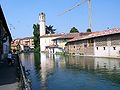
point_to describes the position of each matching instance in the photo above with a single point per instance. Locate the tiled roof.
(64, 36)
(51, 46)
(97, 34)
(108, 32)
(50, 35)
(72, 35)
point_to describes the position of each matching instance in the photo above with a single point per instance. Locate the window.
(114, 48)
(104, 48)
(64, 40)
(85, 44)
(90, 41)
(97, 48)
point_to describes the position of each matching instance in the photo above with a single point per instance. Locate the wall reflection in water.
(90, 63)
(43, 66)
(47, 68)
(100, 67)
(80, 62)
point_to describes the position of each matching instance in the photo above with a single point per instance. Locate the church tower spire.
(42, 23)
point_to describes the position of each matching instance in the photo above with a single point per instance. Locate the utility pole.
(90, 14)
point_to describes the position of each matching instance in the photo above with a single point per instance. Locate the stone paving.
(8, 76)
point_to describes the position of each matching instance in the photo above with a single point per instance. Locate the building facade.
(108, 45)
(54, 42)
(46, 40)
(101, 44)
(23, 44)
(5, 36)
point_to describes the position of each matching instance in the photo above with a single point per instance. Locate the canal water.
(56, 72)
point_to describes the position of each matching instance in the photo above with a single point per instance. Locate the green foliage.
(88, 30)
(37, 61)
(36, 32)
(73, 30)
(49, 29)
(60, 53)
(36, 38)
(37, 49)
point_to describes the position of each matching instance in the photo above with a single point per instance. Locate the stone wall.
(103, 46)
(84, 47)
(115, 40)
(101, 41)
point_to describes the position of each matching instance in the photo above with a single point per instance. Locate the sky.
(22, 14)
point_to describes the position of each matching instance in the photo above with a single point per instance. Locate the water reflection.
(27, 60)
(37, 57)
(55, 72)
(90, 63)
(47, 68)
(103, 67)
(110, 64)
(80, 62)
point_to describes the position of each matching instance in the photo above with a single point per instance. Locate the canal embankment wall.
(24, 82)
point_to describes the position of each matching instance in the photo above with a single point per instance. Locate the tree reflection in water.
(37, 61)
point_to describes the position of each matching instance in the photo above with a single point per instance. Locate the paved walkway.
(8, 76)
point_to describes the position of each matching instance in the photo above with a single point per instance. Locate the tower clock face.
(42, 17)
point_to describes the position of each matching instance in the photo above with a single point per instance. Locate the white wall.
(101, 52)
(58, 50)
(115, 52)
(55, 50)
(108, 52)
(46, 41)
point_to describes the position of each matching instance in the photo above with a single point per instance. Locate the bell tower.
(42, 23)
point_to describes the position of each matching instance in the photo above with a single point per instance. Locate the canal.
(57, 72)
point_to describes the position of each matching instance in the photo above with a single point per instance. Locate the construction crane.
(89, 9)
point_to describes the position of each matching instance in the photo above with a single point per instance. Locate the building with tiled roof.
(102, 44)
(59, 40)
(64, 38)
(98, 34)
(23, 44)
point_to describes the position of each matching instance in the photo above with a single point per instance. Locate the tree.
(73, 30)
(36, 38)
(88, 30)
(49, 29)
